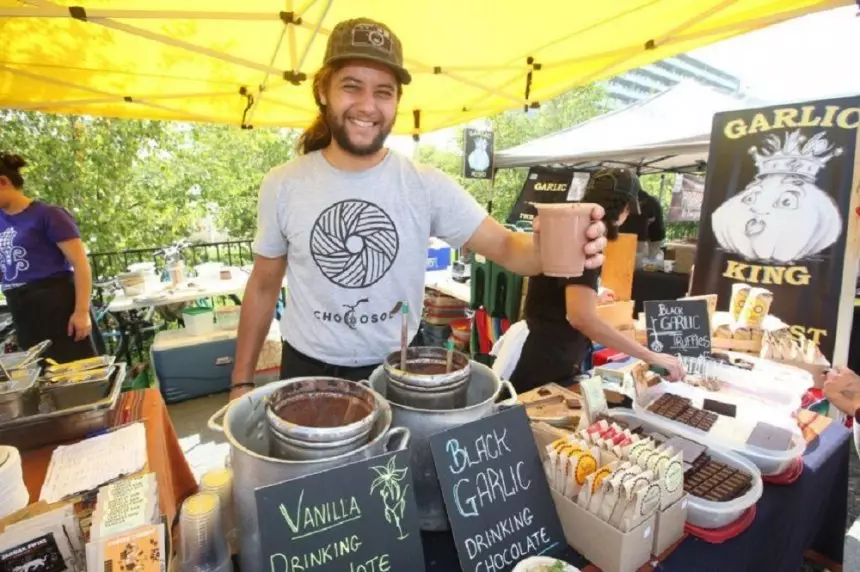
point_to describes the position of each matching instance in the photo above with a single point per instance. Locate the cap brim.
(399, 71)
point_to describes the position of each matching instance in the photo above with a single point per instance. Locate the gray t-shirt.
(356, 245)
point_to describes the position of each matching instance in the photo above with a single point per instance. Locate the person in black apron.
(561, 313)
(46, 275)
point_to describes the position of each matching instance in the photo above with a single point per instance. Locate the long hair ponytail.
(318, 135)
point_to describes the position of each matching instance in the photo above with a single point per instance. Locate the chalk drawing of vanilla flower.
(393, 496)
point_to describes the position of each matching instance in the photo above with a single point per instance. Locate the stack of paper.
(87, 465)
(124, 505)
(127, 532)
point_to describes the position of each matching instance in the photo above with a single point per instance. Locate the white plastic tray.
(700, 512)
(769, 462)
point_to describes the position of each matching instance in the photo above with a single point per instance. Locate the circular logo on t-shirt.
(354, 243)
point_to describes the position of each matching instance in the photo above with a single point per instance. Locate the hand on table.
(673, 366)
(80, 325)
(596, 234)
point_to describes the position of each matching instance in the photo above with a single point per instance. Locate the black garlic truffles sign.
(498, 500)
(359, 517)
(678, 327)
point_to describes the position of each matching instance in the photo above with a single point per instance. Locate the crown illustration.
(796, 156)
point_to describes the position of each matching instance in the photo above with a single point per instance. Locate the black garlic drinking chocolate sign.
(778, 213)
(359, 517)
(678, 327)
(498, 500)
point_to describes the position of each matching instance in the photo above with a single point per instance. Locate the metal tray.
(14, 392)
(80, 365)
(51, 417)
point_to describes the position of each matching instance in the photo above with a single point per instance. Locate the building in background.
(640, 83)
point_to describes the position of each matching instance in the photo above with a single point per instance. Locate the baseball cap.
(617, 180)
(366, 39)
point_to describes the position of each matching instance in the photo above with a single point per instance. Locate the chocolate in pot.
(322, 410)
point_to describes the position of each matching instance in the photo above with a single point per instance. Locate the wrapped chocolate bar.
(580, 464)
(756, 308)
(593, 482)
(741, 332)
(721, 325)
(740, 293)
(645, 504)
(629, 485)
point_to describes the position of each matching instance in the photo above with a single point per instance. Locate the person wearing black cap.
(647, 225)
(561, 313)
(350, 221)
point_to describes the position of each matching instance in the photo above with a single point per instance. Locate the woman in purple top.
(46, 275)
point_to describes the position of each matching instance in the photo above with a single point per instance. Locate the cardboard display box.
(602, 544)
(669, 526)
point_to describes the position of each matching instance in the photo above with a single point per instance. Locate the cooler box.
(438, 255)
(189, 366)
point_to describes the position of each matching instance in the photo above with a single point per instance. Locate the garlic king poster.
(778, 213)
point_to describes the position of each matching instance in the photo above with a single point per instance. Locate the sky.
(812, 57)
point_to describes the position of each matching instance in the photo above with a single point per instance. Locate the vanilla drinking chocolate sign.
(779, 213)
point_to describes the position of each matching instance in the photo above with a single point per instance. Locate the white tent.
(668, 132)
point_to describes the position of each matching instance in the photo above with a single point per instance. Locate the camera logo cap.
(366, 39)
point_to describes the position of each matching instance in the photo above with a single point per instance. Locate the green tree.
(513, 128)
(114, 176)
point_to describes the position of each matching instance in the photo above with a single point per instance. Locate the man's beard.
(339, 134)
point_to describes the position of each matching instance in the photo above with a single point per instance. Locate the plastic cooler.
(700, 512)
(189, 366)
(769, 462)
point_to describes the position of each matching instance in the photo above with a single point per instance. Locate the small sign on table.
(359, 517)
(678, 327)
(498, 499)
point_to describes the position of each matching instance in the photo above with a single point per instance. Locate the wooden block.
(617, 272)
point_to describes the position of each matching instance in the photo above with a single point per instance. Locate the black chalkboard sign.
(495, 489)
(678, 327)
(359, 517)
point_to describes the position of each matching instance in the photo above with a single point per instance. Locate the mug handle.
(397, 440)
(512, 400)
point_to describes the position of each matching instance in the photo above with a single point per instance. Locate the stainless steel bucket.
(319, 417)
(245, 425)
(482, 399)
(429, 389)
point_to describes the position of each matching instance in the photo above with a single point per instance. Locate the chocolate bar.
(720, 407)
(717, 482)
(767, 436)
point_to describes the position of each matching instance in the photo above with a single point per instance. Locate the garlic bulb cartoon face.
(479, 159)
(781, 216)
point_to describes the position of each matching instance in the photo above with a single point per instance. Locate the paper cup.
(562, 237)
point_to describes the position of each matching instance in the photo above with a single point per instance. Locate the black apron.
(296, 364)
(41, 311)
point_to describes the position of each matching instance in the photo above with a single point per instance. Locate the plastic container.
(773, 384)
(227, 317)
(202, 542)
(198, 321)
(769, 462)
(700, 512)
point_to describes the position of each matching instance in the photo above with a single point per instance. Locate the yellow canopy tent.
(250, 62)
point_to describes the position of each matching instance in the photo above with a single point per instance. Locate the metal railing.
(106, 265)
